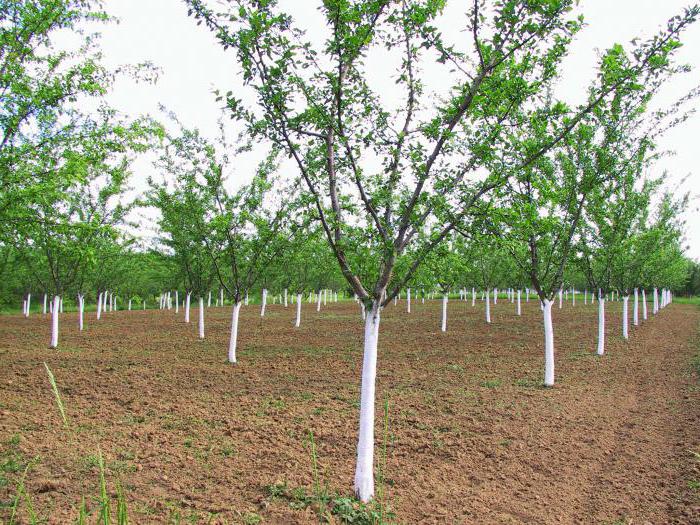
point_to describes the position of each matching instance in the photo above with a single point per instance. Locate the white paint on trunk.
(60, 305)
(601, 325)
(408, 300)
(177, 307)
(548, 344)
(187, 307)
(364, 469)
(573, 297)
(473, 297)
(221, 297)
(81, 311)
(28, 306)
(144, 304)
(560, 294)
(625, 331)
(45, 300)
(635, 309)
(488, 305)
(54, 321)
(495, 296)
(319, 296)
(201, 317)
(234, 333)
(99, 305)
(444, 313)
(519, 310)
(209, 300)
(129, 308)
(285, 298)
(298, 321)
(644, 305)
(585, 296)
(264, 302)
(246, 298)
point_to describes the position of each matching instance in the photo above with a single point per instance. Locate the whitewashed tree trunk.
(585, 296)
(45, 300)
(54, 321)
(319, 296)
(601, 325)
(548, 344)
(187, 307)
(519, 310)
(201, 317)
(144, 304)
(560, 294)
(285, 298)
(644, 305)
(28, 306)
(298, 321)
(408, 300)
(444, 313)
(264, 302)
(495, 296)
(635, 308)
(221, 297)
(233, 341)
(129, 307)
(209, 300)
(60, 305)
(177, 307)
(364, 470)
(246, 298)
(81, 310)
(655, 307)
(104, 302)
(488, 305)
(473, 297)
(99, 305)
(573, 297)
(625, 301)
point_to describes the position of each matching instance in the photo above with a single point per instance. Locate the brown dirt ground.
(472, 436)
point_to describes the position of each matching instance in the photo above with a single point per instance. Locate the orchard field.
(465, 431)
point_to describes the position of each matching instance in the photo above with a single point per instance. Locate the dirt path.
(472, 436)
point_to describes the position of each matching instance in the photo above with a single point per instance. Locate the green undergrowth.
(331, 507)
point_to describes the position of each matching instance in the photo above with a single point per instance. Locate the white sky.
(193, 64)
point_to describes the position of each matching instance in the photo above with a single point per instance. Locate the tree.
(390, 170)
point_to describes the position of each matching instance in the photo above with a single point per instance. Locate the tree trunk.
(201, 317)
(473, 297)
(81, 308)
(635, 308)
(488, 305)
(209, 300)
(54, 321)
(99, 305)
(548, 343)
(221, 297)
(601, 325)
(177, 307)
(408, 300)
(364, 470)
(187, 307)
(129, 307)
(28, 305)
(298, 320)
(234, 333)
(560, 294)
(625, 301)
(45, 300)
(444, 313)
(495, 296)
(573, 297)
(264, 302)
(585, 297)
(644, 305)
(285, 298)
(319, 296)
(519, 311)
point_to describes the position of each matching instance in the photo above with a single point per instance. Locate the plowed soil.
(472, 437)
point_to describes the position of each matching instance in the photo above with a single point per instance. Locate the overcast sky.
(192, 64)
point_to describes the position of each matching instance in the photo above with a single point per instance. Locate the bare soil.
(472, 437)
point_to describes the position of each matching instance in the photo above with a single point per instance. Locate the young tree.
(387, 167)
